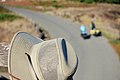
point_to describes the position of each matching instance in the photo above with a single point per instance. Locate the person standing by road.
(92, 22)
(92, 25)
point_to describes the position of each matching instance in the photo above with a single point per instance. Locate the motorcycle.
(85, 35)
(95, 32)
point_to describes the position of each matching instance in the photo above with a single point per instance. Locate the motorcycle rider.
(83, 29)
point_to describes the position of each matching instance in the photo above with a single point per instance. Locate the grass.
(108, 35)
(49, 3)
(114, 42)
(3, 10)
(25, 7)
(116, 45)
(61, 4)
(8, 17)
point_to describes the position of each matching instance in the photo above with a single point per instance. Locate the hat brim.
(18, 62)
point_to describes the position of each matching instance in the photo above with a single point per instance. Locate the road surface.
(97, 59)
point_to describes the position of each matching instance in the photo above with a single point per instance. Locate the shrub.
(54, 4)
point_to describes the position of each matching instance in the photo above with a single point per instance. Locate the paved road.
(97, 60)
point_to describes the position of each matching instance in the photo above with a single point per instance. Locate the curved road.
(97, 60)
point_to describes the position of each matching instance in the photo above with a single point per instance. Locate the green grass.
(115, 41)
(8, 17)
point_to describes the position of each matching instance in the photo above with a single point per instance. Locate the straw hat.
(31, 58)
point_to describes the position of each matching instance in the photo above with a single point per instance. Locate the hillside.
(105, 16)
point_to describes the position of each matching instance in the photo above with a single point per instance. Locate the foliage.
(8, 17)
(115, 41)
(5, 15)
(54, 1)
(103, 1)
(55, 4)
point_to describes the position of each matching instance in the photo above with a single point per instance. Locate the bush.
(55, 4)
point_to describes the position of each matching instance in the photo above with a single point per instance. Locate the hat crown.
(45, 59)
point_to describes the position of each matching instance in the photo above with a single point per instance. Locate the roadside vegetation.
(3, 10)
(116, 46)
(6, 15)
(71, 3)
(10, 23)
(98, 1)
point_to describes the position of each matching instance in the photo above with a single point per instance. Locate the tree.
(99, 0)
(109, 1)
(81, 0)
(116, 1)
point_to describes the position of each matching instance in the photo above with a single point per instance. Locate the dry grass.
(8, 29)
(116, 46)
(63, 4)
(11, 24)
(18, 3)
